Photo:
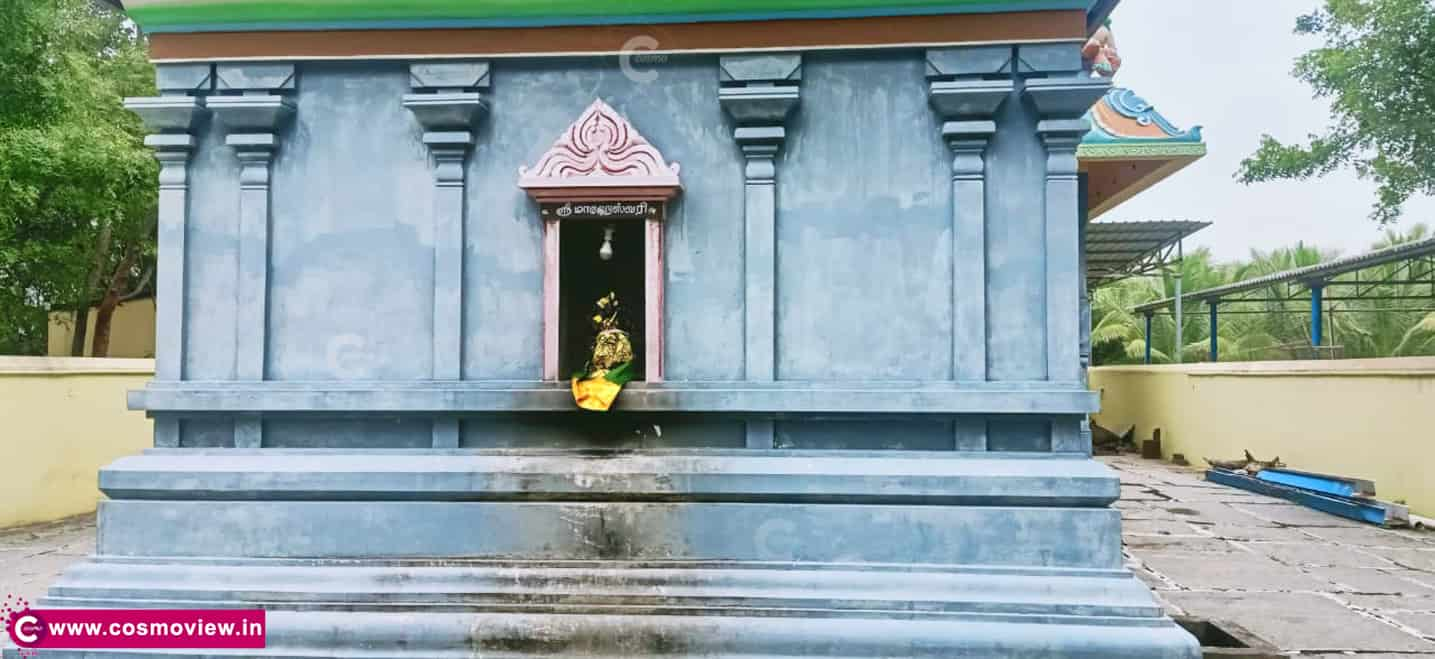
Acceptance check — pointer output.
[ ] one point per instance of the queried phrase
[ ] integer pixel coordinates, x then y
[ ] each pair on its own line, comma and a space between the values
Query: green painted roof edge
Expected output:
1140, 150
242, 15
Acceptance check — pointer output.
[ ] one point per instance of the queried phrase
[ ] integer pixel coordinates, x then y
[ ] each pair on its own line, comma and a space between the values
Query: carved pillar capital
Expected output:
171, 119
1062, 137
760, 146
966, 87
253, 99
447, 101
760, 89
449, 150
760, 92
968, 141
1062, 93
970, 82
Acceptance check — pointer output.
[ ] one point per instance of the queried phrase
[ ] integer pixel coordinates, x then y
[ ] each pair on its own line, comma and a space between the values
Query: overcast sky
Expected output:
1225, 64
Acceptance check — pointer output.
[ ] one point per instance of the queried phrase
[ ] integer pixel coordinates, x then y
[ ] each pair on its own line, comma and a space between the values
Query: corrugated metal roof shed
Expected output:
1117, 250
1310, 273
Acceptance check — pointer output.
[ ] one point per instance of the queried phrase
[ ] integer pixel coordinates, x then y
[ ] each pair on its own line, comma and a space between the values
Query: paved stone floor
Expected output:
33, 556
1311, 584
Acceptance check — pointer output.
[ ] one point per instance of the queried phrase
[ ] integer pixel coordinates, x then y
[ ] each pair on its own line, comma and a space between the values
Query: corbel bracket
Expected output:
447, 96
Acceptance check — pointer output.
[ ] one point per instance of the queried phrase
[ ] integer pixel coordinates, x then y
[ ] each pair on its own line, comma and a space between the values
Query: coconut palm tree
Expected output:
1274, 326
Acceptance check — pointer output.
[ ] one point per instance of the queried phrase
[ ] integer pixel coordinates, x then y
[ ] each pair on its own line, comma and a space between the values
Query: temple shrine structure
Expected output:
849, 240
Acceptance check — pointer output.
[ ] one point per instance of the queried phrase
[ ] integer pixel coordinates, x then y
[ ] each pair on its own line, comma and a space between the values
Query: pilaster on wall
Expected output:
447, 104
1062, 92
967, 86
253, 104
760, 92
172, 118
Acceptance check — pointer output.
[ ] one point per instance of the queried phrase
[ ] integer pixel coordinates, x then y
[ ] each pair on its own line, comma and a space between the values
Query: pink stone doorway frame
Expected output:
602, 157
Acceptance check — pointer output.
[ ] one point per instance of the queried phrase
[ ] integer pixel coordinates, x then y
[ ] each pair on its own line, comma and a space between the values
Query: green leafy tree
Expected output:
1377, 70
77, 186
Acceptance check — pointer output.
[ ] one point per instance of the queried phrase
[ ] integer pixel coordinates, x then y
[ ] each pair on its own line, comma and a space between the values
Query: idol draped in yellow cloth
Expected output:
611, 365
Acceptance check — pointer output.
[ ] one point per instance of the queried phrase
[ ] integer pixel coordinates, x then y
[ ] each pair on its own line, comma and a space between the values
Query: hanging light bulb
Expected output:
606, 251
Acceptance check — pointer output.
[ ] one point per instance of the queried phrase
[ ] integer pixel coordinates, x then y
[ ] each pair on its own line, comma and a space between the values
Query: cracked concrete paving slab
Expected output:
1300, 621
1369, 536
1368, 655
1421, 622
1215, 571
1187, 493
1139, 493
1324, 601
1308, 553
1416, 602
1415, 559
1140, 510
1294, 515
1375, 581
1157, 527
1211, 512
1247, 533
1185, 543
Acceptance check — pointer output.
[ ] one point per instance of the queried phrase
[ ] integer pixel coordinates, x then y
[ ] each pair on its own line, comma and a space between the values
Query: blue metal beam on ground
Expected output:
1215, 350
1315, 313
1337, 485
1356, 509
1148, 338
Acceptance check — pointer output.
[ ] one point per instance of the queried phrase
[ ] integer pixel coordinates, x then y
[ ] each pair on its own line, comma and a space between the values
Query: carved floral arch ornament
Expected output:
603, 167
601, 156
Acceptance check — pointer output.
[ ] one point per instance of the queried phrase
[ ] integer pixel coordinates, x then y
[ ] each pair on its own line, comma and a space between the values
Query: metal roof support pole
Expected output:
1180, 258
1215, 350
1316, 293
1148, 337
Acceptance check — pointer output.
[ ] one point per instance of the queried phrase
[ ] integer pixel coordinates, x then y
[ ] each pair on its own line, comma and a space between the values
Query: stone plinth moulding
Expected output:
1061, 94
601, 156
172, 119
760, 92
967, 86
447, 103
253, 105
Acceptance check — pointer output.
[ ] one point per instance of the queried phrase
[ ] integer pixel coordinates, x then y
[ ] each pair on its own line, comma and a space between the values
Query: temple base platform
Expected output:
698, 553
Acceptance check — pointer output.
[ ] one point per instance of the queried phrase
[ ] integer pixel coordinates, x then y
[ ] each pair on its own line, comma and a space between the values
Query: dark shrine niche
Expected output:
584, 276
601, 175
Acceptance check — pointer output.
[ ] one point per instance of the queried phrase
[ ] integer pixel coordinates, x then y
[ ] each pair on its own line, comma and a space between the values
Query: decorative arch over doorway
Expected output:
601, 169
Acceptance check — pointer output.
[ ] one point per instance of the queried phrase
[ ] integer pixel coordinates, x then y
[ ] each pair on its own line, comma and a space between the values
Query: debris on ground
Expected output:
1106, 442
1352, 498
1249, 465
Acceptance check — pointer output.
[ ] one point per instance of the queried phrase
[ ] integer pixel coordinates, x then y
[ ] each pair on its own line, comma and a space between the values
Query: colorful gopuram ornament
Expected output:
1130, 148
1100, 53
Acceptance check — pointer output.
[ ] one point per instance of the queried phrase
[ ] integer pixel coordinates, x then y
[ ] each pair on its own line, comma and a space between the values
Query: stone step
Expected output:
772, 589
728, 476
